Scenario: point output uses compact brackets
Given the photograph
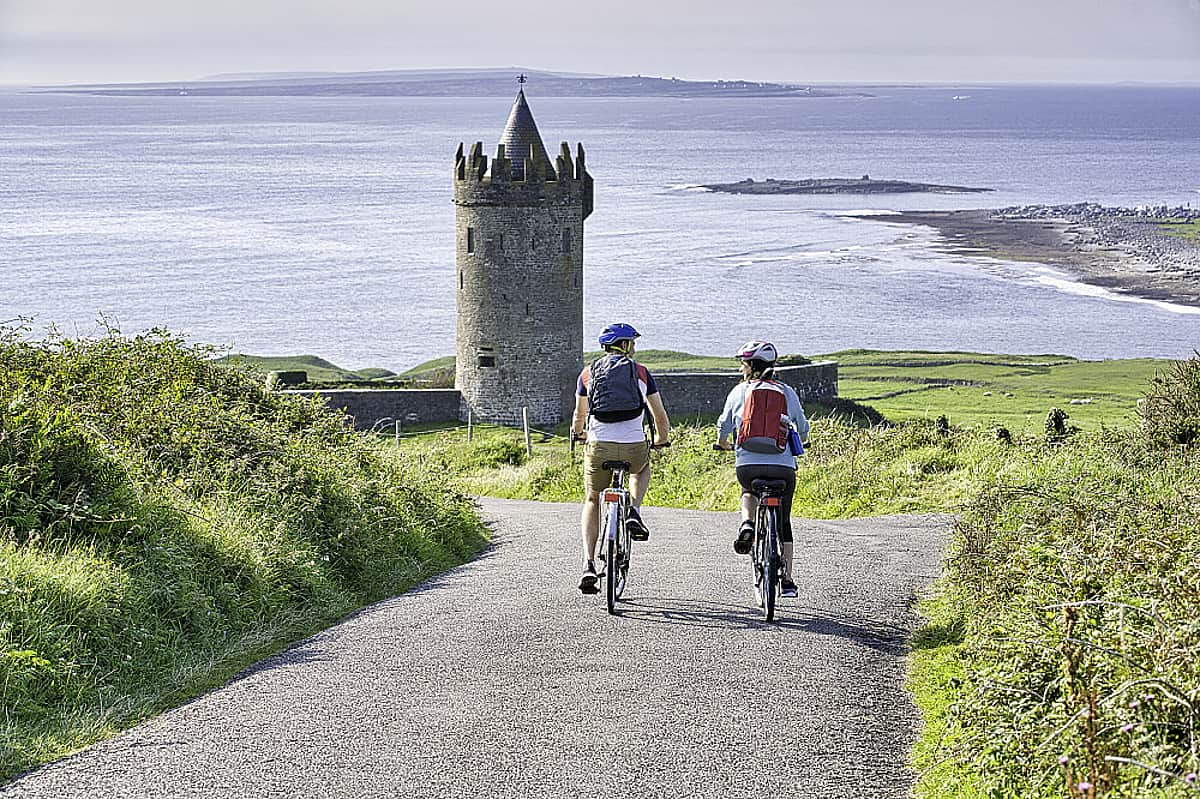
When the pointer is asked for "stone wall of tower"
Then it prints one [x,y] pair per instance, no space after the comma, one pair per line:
[519,287]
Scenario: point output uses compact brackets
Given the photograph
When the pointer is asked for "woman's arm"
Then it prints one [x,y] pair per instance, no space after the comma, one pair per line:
[796,412]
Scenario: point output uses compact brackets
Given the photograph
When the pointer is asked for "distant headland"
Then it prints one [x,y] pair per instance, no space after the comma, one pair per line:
[451,83]
[863,185]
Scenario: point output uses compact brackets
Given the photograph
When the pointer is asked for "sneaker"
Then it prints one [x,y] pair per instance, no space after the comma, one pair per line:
[788,588]
[745,538]
[637,528]
[589,582]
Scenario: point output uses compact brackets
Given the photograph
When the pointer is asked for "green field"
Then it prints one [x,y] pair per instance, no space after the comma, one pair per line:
[1014,391]
[1184,230]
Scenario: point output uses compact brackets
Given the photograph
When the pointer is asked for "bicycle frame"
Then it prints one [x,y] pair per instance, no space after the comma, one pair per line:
[615,543]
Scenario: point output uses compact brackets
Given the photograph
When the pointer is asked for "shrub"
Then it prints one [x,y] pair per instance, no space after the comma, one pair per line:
[1075,584]
[1170,411]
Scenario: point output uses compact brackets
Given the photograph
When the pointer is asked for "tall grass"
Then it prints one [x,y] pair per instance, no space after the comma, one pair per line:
[164,522]
[848,471]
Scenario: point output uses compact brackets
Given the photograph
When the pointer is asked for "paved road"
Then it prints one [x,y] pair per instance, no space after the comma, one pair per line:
[498,679]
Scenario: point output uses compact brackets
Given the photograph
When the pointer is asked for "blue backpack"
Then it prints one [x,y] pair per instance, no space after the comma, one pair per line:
[613,391]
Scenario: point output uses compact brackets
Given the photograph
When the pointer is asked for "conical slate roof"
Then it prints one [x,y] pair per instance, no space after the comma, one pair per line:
[520,132]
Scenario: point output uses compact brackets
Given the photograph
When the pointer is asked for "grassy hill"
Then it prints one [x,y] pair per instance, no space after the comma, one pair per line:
[165,522]
[319,370]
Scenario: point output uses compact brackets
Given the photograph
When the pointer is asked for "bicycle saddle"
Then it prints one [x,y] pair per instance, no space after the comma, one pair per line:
[610,465]
[761,486]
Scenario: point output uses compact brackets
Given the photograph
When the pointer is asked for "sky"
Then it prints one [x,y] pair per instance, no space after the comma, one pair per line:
[849,41]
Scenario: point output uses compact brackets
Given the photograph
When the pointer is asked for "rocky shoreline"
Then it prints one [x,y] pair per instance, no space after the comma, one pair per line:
[1130,250]
[863,185]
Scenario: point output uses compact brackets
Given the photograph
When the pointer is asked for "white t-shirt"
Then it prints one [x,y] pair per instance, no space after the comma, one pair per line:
[629,431]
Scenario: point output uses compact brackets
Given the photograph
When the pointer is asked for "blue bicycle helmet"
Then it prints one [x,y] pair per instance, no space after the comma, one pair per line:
[618,331]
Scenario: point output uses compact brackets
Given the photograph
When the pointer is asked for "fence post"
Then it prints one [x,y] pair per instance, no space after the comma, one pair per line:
[525,424]
[397,431]
[470,419]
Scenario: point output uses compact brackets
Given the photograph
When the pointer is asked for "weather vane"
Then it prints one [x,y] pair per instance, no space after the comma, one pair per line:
[522,79]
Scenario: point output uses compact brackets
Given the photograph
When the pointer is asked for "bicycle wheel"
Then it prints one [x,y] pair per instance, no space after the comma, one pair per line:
[612,565]
[771,564]
[624,549]
[756,558]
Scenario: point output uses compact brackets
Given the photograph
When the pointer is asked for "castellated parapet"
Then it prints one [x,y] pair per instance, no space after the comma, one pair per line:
[519,245]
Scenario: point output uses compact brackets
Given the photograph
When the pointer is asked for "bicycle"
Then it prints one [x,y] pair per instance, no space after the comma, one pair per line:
[616,546]
[766,560]
[766,556]
[616,543]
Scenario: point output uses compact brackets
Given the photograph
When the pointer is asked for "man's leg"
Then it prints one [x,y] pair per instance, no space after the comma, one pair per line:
[638,483]
[638,455]
[589,524]
[589,516]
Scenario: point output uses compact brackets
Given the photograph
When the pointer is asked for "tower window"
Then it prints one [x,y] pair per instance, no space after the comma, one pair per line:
[487,360]
[500,242]
[567,240]
[527,309]
[470,239]
[533,243]
[460,279]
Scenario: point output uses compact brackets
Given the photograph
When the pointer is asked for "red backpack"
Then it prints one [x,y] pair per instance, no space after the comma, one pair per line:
[765,421]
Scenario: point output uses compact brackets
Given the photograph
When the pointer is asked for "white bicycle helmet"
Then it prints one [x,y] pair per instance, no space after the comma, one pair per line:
[758,351]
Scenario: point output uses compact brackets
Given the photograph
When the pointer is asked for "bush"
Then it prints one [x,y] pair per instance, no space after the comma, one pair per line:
[165,521]
[1075,585]
[1171,409]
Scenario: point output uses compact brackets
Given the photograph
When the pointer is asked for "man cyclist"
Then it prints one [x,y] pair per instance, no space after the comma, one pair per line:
[758,370]
[612,394]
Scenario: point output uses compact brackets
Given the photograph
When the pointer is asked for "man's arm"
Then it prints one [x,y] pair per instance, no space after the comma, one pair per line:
[579,418]
[662,425]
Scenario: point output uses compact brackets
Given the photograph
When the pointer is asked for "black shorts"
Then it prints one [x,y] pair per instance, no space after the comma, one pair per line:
[746,476]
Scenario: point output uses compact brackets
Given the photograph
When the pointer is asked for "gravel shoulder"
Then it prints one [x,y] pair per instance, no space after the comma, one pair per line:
[499,679]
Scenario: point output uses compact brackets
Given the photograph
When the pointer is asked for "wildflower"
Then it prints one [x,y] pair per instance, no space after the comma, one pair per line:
[1084,787]
[1135,704]
[1127,727]
[1063,760]
[1190,778]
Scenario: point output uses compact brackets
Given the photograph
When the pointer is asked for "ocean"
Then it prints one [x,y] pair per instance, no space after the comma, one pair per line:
[324,225]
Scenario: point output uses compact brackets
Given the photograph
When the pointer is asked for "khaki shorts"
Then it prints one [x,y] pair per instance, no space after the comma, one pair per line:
[596,479]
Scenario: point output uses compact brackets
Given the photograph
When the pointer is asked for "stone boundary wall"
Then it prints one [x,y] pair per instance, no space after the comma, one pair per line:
[367,406]
[703,393]
[684,394]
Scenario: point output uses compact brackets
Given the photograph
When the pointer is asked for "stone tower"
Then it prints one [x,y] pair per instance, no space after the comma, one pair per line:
[519,244]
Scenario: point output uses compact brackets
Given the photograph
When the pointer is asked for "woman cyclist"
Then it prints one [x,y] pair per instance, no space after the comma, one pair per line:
[758,367]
